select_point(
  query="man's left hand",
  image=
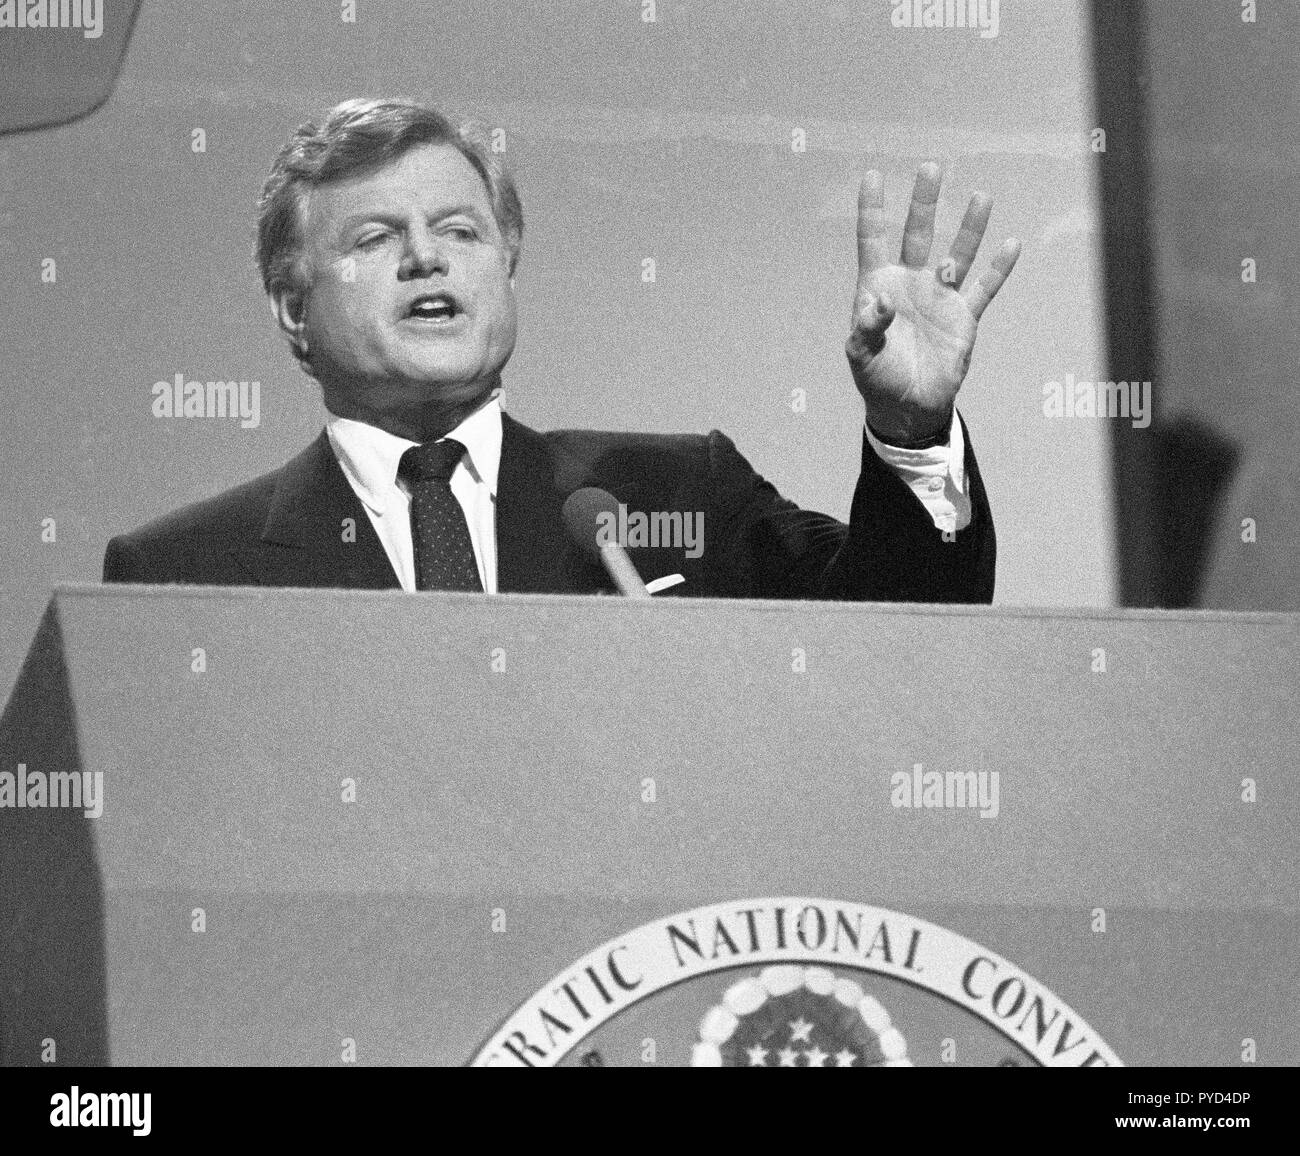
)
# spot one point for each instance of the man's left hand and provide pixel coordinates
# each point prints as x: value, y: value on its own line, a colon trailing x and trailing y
x: 913, y: 330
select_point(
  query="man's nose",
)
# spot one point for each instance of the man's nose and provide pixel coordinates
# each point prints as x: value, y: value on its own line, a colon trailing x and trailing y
x: 423, y: 255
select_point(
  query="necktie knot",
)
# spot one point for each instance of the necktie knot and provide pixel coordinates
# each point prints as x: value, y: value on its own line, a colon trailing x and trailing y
x: 430, y: 462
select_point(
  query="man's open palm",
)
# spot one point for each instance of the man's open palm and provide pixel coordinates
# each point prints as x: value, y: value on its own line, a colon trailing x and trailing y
x: 913, y: 329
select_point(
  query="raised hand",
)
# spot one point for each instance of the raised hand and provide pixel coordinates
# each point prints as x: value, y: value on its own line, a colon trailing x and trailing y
x: 913, y: 330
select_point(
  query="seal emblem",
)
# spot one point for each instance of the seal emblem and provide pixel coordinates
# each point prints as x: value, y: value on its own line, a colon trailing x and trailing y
x: 793, y: 982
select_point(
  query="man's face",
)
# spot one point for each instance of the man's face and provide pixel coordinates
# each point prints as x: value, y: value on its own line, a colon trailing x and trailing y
x: 411, y: 308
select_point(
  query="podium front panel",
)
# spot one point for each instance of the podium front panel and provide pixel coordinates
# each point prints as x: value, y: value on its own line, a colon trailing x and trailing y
x: 362, y: 826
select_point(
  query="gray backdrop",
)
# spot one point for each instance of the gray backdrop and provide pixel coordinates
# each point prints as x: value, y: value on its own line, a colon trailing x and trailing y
x: 669, y: 140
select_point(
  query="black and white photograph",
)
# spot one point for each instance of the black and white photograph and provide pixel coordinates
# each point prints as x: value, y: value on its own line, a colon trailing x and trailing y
x: 649, y: 533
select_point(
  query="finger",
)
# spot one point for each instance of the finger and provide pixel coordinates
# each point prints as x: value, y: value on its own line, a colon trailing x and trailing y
x: 918, y: 232
x: 872, y: 253
x: 967, y: 242
x: 867, y: 335
x: 980, y: 293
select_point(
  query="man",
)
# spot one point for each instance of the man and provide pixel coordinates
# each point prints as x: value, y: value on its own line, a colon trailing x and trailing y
x: 388, y: 243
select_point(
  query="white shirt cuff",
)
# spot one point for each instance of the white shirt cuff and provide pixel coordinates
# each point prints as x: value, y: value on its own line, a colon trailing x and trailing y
x: 937, y: 476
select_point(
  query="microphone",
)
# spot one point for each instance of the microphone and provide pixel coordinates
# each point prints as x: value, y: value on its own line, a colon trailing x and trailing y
x: 584, y: 510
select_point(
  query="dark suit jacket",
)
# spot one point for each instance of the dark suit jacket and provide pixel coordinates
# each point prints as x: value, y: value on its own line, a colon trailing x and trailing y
x: 286, y: 528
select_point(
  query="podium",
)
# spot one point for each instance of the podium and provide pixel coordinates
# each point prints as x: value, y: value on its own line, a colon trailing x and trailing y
x: 382, y: 828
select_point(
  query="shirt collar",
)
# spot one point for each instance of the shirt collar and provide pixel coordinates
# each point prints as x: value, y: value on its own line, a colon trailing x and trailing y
x: 369, y: 456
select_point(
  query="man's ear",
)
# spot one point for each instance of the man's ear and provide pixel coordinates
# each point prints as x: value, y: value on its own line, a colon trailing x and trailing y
x: 289, y: 308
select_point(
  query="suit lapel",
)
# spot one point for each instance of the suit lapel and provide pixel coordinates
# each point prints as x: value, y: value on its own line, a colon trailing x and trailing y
x: 534, y: 553
x: 305, y: 539
x: 303, y: 542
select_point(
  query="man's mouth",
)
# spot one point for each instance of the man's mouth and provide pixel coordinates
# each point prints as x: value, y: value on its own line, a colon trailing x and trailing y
x: 435, y: 307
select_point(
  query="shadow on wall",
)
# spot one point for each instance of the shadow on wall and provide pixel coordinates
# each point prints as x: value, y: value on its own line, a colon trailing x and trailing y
x: 1195, y: 463
x: 53, y: 981
x: 1254, y: 557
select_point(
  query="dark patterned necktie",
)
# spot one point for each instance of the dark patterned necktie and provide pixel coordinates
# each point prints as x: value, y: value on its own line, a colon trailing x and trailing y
x: 444, y: 553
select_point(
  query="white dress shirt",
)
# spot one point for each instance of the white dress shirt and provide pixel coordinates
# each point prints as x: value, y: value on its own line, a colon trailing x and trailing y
x: 936, y: 475
x: 370, y: 456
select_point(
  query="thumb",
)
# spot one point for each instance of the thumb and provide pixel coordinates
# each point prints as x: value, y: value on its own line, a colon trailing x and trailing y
x: 870, y: 320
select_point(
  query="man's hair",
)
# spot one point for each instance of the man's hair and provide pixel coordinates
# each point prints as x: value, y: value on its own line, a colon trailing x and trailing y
x: 352, y: 139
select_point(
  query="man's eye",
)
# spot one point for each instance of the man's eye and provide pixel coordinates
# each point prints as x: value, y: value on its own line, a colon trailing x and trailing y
x: 462, y: 232
x: 370, y: 240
